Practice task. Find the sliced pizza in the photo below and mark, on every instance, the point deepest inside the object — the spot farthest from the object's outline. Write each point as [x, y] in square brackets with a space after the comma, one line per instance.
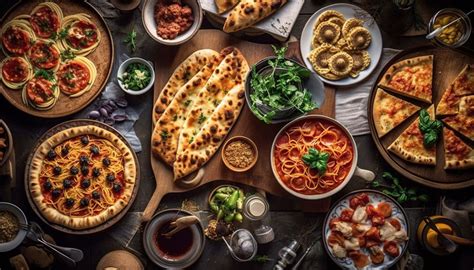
[389, 111]
[457, 154]
[411, 77]
[464, 82]
[181, 75]
[410, 144]
[449, 103]
[463, 122]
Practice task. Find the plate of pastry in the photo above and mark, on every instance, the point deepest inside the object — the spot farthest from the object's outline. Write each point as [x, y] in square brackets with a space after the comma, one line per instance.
[341, 43]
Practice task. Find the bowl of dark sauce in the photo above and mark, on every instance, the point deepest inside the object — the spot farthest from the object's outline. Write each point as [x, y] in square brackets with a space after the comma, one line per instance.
[178, 251]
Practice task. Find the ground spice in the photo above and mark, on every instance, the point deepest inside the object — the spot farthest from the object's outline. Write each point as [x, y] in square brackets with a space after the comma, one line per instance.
[9, 226]
[239, 154]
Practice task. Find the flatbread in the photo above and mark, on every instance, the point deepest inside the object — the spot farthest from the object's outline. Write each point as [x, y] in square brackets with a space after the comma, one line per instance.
[182, 74]
[166, 133]
[390, 111]
[411, 77]
[230, 72]
[409, 145]
[449, 103]
[457, 154]
[463, 122]
[225, 5]
[464, 82]
[212, 134]
[249, 12]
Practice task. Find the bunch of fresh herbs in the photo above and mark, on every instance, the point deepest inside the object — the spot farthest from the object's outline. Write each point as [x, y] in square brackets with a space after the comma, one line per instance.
[130, 40]
[279, 90]
[397, 191]
[316, 160]
[430, 128]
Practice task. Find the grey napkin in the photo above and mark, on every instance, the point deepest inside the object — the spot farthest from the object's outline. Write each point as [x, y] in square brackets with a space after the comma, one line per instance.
[351, 102]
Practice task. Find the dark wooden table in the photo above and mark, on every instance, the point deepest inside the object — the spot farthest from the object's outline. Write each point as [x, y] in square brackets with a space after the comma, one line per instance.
[287, 223]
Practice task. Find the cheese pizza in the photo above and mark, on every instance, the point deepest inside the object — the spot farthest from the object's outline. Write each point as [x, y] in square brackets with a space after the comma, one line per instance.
[464, 83]
[457, 154]
[463, 122]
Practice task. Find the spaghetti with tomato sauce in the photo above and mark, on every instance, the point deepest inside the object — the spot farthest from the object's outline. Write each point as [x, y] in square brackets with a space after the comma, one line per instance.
[44, 55]
[16, 41]
[82, 35]
[73, 77]
[39, 90]
[15, 70]
[45, 21]
[296, 140]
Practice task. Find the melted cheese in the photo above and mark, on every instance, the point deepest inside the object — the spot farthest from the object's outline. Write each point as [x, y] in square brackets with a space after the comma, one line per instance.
[352, 244]
[339, 251]
[363, 228]
[360, 215]
[387, 231]
[344, 227]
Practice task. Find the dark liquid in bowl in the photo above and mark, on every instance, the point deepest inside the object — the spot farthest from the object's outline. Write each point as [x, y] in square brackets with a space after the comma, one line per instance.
[175, 246]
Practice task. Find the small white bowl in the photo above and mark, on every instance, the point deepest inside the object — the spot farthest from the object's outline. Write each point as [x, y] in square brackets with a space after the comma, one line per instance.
[148, 19]
[124, 66]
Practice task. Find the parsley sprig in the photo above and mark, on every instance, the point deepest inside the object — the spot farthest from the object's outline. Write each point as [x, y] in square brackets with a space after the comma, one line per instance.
[130, 40]
[45, 74]
[430, 128]
[396, 190]
[316, 160]
[279, 90]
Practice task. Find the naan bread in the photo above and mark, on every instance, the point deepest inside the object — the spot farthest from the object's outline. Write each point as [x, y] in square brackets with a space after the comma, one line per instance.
[181, 75]
[230, 72]
[168, 127]
[249, 12]
[225, 5]
[212, 134]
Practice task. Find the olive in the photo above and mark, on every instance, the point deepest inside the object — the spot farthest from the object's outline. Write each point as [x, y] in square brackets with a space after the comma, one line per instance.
[85, 170]
[84, 201]
[95, 150]
[110, 177]
[85, 183]
[57, 170]
[74, 170]
[65, 150]
[84, 160]
[85, 140]
[51, 154]
[96, 195]
[69, 202]
[117, 187]
[67, 183]
[106, 161]
[96, 172]
[47, 185]
[56, 192]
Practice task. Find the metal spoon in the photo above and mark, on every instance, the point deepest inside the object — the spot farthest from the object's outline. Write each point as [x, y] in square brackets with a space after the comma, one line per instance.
[449, 245]
[438, 31]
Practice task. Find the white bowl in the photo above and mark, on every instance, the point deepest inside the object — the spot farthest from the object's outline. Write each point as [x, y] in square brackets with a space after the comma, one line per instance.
[149, 23]
[18, 213]
[124, 66]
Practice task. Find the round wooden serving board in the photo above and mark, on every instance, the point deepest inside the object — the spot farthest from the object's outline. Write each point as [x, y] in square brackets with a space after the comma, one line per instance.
[260, 176]
[102, 57]
[447, 65]
[61, 127]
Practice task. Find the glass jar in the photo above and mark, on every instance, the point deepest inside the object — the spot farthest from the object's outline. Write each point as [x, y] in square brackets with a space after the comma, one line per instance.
[465, 24]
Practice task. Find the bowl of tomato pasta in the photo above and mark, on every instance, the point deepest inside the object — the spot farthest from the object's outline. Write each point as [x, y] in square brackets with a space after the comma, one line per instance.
[314, 157]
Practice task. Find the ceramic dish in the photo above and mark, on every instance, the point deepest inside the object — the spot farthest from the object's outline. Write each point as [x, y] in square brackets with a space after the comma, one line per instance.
[349, 11]
[375, 197]
[354, 170]
[165, 261]
[18, 213]
[313, 84]
[148, 19]
[124, 66]
[249, 142]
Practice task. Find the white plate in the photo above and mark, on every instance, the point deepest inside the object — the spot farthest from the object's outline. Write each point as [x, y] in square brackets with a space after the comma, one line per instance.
[348, 10]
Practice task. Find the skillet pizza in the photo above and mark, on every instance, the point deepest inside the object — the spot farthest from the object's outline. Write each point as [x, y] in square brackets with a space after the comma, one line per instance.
[82, 177]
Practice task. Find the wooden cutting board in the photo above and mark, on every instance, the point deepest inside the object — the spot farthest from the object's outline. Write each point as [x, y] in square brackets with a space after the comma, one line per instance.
[260, 176]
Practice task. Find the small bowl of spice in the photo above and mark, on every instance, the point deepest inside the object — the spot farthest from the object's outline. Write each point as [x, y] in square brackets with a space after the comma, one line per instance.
[136, 76]
[454, 35]
[11, 234]
[239, 154]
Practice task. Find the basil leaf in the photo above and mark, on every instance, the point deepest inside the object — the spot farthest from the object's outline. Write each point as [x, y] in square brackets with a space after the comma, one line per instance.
[316, 160]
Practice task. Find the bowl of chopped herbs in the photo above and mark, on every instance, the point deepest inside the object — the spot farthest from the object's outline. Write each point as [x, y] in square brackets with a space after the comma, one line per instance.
[279, 89]
[136, 76]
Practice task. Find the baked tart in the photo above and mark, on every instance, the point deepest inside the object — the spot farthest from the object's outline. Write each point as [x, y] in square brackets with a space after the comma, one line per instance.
[341, 64]
[349, 25]
[328, 32]
[327, 15]
[361, 61]
[359, 38]
[320, 56]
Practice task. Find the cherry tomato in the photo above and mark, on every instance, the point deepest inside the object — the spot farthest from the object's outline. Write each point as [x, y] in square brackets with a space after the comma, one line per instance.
[391, 248]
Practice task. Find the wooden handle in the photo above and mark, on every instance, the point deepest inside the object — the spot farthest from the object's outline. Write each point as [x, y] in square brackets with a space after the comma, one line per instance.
[153, 204]
[459, 240]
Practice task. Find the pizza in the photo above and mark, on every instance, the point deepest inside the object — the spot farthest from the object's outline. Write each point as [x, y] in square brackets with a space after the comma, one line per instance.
[449, 103]
[15, 71]
[411, 77]
[45, 19]
[82, 177]
[389, 111]
[464, 82]
[410, 147]
[44, 54]
[457, 154]
[463, 122]
[82, 35]
[76, 76]
[225, 5]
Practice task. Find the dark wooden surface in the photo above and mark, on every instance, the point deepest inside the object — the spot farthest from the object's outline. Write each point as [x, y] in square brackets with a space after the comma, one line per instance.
[446, 66]
[287, 223]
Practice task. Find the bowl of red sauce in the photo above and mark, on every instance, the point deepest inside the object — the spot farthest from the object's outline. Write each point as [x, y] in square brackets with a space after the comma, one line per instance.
[314, 157]
[172, 22]
[178, 251]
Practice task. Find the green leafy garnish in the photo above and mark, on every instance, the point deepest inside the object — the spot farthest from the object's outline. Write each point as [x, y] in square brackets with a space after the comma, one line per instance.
[279, 90]
[46, 74]
[430, 128]
[130, 40]
[67, 54]
[187, 102]
[261, 259]
[136, 76]
[397, 191]
[316, 160]
[164, 135]
[202, 118]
